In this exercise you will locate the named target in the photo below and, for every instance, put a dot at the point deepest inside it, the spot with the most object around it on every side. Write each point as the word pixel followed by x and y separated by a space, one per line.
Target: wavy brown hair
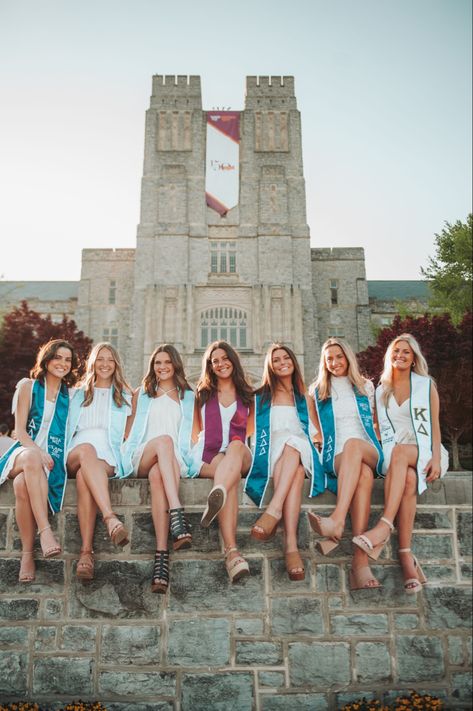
pixel 207 384
pixel 150 381
pixel 270 380
pixel 323 379
pixel 118 379
pixel 47 353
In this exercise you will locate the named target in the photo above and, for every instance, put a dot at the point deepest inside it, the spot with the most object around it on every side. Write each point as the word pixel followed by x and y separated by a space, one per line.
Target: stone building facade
pixel 249 277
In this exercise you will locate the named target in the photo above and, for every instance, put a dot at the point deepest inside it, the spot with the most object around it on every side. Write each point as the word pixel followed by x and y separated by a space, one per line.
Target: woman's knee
pixel 352 446
pixel 163 443
pixel 31 460
pixel 86 453
pixel 236 446
pixel 399 454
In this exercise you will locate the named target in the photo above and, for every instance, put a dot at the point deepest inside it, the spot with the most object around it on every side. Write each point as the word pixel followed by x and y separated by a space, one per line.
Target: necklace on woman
pixel 166 391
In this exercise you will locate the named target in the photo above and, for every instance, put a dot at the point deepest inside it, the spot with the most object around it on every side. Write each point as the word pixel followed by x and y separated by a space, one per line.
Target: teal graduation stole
pixel 138 429
pixel 327 424
pixel 258 476
pixel 56 439
pixel 116 426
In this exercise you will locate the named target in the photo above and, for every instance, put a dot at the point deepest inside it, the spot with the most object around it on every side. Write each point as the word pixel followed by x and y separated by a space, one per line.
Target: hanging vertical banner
pixel 222 166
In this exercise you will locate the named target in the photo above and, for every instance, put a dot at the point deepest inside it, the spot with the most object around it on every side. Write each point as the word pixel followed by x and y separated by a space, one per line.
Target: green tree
pixel 450 270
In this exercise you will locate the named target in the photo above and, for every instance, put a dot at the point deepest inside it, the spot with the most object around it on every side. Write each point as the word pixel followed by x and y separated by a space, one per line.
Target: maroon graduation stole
pixel 213 426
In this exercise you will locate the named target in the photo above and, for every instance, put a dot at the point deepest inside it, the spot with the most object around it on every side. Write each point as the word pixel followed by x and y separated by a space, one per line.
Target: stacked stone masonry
pixel 265 644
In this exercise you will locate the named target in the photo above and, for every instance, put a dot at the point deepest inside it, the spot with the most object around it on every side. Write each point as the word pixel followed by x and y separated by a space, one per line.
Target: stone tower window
pixel 334 292
pixel 222 257
pixel 226 324
pixel 111 335
pixel 112 291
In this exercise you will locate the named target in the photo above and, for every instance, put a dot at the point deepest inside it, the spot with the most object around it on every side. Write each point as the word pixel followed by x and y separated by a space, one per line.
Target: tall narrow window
pixel 112 291
pixel 224 323
pixel 222 257
pixel 111 336
pixel 334 292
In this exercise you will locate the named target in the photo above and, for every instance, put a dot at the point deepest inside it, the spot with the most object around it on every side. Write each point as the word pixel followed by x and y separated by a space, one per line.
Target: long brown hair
pixel 150 381
pixel 46 354
pixel 118 379
pixel 323 379
pixel 270 380
pixel 207 384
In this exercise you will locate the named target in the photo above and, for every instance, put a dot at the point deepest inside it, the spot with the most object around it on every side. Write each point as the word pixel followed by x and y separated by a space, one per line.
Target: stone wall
pixel 266 644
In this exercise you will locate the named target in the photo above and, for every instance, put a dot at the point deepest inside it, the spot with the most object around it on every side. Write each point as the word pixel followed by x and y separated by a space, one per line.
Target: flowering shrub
pixel 413 702
pixel 73 706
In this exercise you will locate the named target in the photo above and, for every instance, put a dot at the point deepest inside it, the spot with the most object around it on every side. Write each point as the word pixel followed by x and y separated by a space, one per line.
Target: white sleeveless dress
pixel 347 420
pixel 93 426
pixel 286 429
pixel 226 413
pixel 400 416
pixel 164 418
pixel 41 440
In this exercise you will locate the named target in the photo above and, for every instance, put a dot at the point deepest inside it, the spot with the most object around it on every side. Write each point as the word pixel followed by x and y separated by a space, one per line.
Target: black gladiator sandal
pixel 180 529
pixel 160 580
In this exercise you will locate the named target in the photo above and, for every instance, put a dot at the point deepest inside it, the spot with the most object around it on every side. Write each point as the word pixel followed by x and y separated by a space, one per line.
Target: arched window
pixel 224 323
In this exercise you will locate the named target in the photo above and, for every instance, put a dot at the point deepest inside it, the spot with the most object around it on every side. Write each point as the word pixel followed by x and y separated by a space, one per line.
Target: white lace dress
pixel 164 418
pixel 93 426
pixel 286 429
pixel 347 420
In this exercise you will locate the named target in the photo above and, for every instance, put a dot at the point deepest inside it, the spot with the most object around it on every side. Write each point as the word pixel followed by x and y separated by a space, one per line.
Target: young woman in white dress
pixel 223 400
pixel 408 411
pixel 350 450
pixel 281 411
pixel 157 441
pixel 35 461
pixel 99 411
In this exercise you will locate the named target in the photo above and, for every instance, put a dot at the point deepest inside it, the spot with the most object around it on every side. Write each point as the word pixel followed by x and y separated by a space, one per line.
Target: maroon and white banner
pixel 223 157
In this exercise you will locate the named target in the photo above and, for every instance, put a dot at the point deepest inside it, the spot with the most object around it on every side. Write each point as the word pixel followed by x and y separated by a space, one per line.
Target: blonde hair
pixel 118 379
pixel 323 380
pixel 419 365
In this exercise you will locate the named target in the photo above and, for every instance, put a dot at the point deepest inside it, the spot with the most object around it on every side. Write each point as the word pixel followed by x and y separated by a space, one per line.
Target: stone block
pixel 359 624
pixel 126 644
pixel 102 542
pixel 436 546
pixel 390 595
pixel 53 608
pixel 199 642
pixel 406 621
pixel 120 589
pixel 328 578
pixel 349 697
pixel 433 519
pixel 49 577
pixel 466 571
pixel 261 653
pixel 78 638
pixel 13 637
pixel 228 691
pixel 294 702
pixel 373 662
pixel 322 664
pixel 249 626
pixel 462 686
pixel 45 640
pixel 335 602
pixel 419 658
pixel 455 650
pixel 128 683
pixel 272 679
pixel 280 581
pixel 464 532
pixel 439 573
pixel 13 677
pixel 204 585
pixel 3 530
pixel 137 706
pixel 448 607
pixel 457 489
pixel 54 675
pixel 19 609
pixel 296 615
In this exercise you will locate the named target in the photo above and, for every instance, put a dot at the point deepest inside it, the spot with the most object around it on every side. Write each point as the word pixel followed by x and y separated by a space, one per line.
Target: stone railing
pixel 265 643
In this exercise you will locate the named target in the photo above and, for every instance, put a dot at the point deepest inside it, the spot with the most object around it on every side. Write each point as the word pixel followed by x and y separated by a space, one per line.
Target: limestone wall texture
pixel 266 644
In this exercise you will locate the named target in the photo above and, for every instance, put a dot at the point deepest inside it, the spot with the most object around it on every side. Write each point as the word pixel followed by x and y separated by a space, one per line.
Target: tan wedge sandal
pixel 237 567
pixel 86 565
pixel 117 530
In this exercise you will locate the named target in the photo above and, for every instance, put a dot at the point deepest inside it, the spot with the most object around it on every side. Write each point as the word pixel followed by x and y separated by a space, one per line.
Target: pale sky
pixel 383 86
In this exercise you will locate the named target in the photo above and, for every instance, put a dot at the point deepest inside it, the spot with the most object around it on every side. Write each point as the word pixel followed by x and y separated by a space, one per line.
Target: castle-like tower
pixel 195 276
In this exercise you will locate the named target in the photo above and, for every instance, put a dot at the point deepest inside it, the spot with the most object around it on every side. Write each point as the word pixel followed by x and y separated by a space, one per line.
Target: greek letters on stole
pixel 258 476
pixel 138 429
pixel 56 439
pixel 116 425
pixel 327 423
pixel 419 403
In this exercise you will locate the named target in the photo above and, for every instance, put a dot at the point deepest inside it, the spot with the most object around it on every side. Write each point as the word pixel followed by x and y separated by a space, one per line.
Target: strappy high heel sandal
pixel 180 529
pixel 373 550
pixel 26 577
pixel 215 503
pixel 160 581
pixel 237 567
pixel 86 565
pixel 414 585
pixel 326 528
pixel 116 531
pixel 53 550
pixel 268 524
